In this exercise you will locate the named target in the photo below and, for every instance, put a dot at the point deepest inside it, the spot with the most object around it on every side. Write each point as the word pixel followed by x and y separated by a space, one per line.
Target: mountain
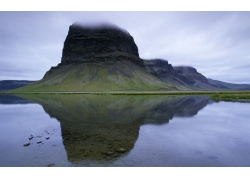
pixel 13 84
pixel 98 58
pixel 105 58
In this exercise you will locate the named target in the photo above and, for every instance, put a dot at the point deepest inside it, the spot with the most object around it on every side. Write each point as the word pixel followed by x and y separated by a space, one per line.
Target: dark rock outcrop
pixel 183 77
pixel 190 74
pixel 98 43
pixel 158 67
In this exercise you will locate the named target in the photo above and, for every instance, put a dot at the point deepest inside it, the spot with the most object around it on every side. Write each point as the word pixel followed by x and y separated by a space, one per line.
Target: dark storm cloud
pixel 215 43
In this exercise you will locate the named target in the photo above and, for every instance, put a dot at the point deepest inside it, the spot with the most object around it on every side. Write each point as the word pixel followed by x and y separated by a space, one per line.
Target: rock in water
pixel 110 153
pixel 88 43
pixel 31 137
pixel 26 144
pixel 121 150
pixel 50 165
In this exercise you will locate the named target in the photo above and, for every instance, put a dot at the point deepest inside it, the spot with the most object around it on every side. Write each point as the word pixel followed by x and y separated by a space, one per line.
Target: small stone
pixel 47 138
pixel 31 137
pixel 38 142
pixel 50 165
pixel 26 144
pixel 121 150
pixel 110 153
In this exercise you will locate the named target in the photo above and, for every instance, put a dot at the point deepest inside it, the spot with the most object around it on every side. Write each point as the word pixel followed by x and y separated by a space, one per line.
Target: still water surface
pixel 106 130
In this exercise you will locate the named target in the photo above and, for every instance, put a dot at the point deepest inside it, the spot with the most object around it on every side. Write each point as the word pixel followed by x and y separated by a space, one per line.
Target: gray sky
pixel 217 44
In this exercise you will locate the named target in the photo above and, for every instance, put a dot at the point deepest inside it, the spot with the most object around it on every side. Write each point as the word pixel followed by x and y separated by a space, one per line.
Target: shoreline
pixel 216 95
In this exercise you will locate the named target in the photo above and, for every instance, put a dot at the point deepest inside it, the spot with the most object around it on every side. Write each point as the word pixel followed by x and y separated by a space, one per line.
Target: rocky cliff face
pixel 98 43
pixel 191 74
pixel 183 77
pixel 158 67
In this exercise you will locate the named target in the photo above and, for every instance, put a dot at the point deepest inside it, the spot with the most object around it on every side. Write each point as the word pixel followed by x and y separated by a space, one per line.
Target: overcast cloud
pixel 217 44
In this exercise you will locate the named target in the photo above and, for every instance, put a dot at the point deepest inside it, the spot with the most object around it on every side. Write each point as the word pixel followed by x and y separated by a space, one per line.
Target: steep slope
pixel 102 76
pixel 165 72
pixel 193 79
pixel 84 43
pixel 98 58
pixel 182 77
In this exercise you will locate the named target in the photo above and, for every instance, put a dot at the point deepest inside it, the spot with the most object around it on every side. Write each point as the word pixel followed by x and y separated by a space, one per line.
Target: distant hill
pixel 13 84
pixel 228 86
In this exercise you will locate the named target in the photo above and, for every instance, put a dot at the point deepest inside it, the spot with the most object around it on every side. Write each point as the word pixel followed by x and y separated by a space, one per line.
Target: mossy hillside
pixel 120 75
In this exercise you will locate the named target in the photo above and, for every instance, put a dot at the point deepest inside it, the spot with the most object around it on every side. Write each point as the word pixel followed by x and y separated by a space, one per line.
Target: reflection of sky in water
pixel 218 136
pixel 17 123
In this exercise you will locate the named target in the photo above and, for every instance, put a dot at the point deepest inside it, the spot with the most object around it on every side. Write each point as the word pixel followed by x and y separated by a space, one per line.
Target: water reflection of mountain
pixel 104 127
pixel 182 106
pixel 9 99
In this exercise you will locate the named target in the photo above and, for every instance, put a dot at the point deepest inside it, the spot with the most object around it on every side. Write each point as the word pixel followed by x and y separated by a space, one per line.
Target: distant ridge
pixel 228 86
pixel 13 84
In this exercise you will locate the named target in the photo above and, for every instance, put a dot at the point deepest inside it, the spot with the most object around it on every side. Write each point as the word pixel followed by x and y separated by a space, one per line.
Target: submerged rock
pixel 31 137
pixel 121 150
pixel 50 165
pixel 26 144
pixel 110 153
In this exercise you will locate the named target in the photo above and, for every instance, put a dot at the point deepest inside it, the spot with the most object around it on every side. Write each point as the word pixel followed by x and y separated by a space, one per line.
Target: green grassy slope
pixel 101 76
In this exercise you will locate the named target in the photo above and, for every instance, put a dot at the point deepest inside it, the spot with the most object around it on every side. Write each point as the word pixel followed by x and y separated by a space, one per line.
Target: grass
pixel 97 77
pixel 213 94
pixel 233 96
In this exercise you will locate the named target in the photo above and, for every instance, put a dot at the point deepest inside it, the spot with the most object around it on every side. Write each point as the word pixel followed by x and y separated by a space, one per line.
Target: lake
pixel 127 131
